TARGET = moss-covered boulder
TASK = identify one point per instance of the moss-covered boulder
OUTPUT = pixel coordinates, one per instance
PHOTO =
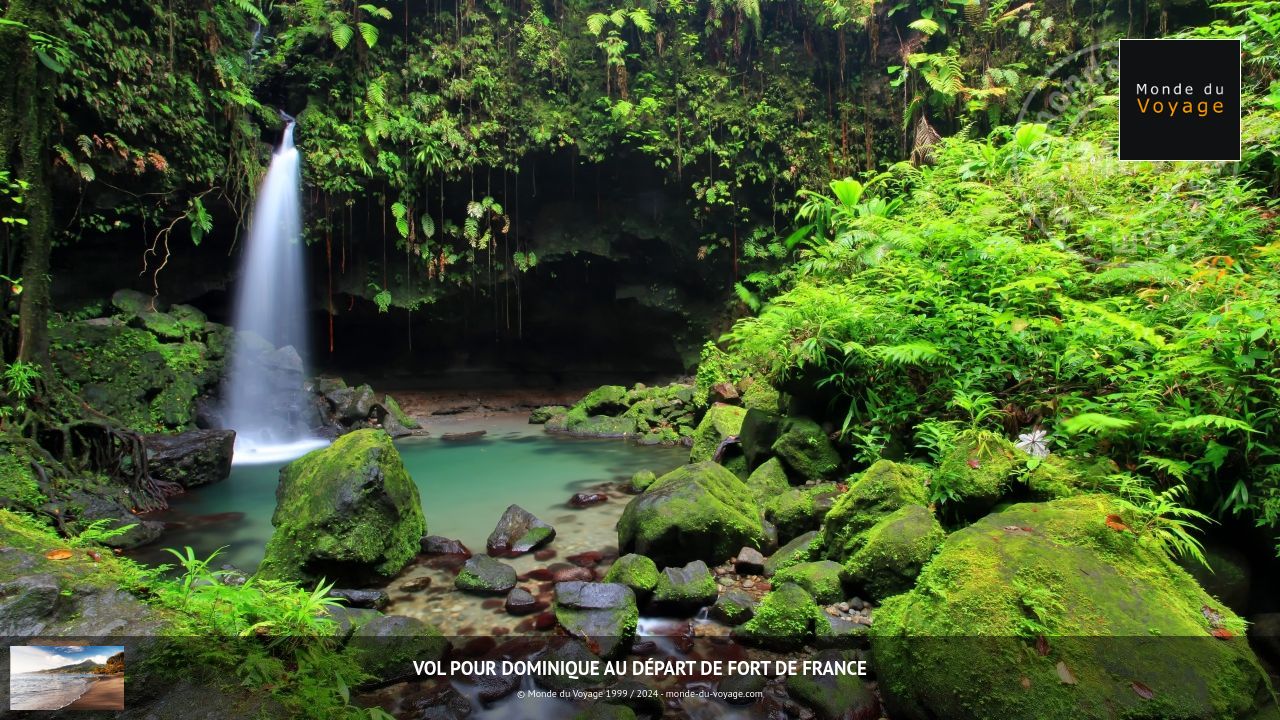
(978, 471)
(734, 607)
(758, 434)
(759, 395)
(795, 511)
(894, 550)
(783, 620)
(720, 423)
(685, 589)
(768, 481)
(805, 450)
(605, 711)
(800, 549)
(604, 400)
(824, 580)
(695, 512)
(636, 572)
(603, 615)
(881, 489)
(1126, 633)
(386, 646)
(346, 513)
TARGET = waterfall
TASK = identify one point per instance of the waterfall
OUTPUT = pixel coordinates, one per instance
(264, 398)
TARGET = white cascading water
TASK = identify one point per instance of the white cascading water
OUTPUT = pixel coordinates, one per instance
(264, 398)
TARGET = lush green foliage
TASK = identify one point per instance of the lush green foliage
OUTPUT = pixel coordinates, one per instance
(1126, 308)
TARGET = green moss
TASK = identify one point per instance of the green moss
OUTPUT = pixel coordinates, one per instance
(759, 395)
(386, 647)
(832, 697)
(799, 510)
(691, 585)
(399, 414)
(606, 712)
(977, 472)
(806, 450)
(768, 481)
(635, 571)
(894, 550)
(824, 580)
(642, 479)
(1114, 610)
(18, 486)
(801, 549)
(695, 512)
(784, 619)
(542, 414)
(881, 489)
(720, 422)
(348, 507)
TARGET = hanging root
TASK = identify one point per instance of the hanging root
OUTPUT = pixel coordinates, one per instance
(116, 452)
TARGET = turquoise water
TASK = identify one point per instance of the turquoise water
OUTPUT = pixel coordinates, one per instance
(465, 486)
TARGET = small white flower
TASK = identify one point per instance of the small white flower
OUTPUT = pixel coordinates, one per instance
(1033, 443)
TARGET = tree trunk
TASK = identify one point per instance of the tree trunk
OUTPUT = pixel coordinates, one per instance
(26, 114)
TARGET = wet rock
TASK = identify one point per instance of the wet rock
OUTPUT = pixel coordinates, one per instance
(94, 507)
(783, 620)
(348, 513)
(724, 392)
(132, 302)
(464, 436)
(720, 423)
(734, 607)
(386, 646)
(805, 450)
(604, 615)
(605, 711)
(491, 688)
(518, 531)
(349, 618)
(684, 589)
(591, 558)
(27, 604)
(439, 545)
(834, 631)
(569, 651)
(834, 697)
(521, 602)
(483, 574)
(587, 499)
(749, 562)
(368, 599)
(395, 411)
(696, 512)
(190, 459)
(639, 697)
(446, 704)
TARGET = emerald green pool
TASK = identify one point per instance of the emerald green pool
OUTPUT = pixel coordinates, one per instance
(465, 486)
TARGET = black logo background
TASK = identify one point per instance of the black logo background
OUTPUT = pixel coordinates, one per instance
(1181, 137)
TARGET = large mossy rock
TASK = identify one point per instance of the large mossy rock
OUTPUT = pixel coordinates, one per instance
(387, 646)
(979, 471)
(795, 511)
(805, 450)
(695, 512)
(719, 424)
(768, 480)
(824, 580)
(346, 513)
(190, 459)
(894, 551)
(1126, 633)
(685, 589)
(783, 620)
(880, 490)
(636, 572)
(483, 575)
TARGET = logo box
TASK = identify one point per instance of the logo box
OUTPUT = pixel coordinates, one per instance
(1180, 100)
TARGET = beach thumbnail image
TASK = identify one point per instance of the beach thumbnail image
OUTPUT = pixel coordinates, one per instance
(72, 677)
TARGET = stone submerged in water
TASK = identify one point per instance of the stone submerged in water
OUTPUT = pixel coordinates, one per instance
(587, 499)
(518, 531)
(734, 607)
(190, 459)
(483, 574)
(464, 436)
(695, 512)
(1133, 633)
(604, 615)
(347, 513)
(834, 696)
(440, 545)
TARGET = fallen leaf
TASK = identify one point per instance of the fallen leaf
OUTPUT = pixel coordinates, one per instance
(1042, 645)
(1065, 674)
(1222, 633)
(1115, 523)
(973, 463)
(1143, 691)
(94, 556)
(1025, 682)
(58, 554)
